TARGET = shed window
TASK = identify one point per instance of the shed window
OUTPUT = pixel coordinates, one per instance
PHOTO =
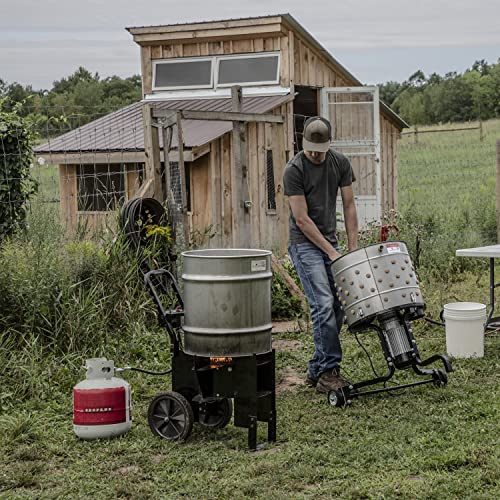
(100, 187)
(271, 192)
(182, 73)
(248, 70)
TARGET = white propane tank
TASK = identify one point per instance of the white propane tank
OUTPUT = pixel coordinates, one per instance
(101, 403)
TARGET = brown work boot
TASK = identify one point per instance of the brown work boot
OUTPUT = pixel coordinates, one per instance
(331, 380)
(311, 380)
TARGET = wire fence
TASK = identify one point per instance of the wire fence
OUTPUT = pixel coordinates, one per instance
(88, 166)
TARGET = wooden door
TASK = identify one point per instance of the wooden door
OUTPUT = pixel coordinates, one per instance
(354, 115)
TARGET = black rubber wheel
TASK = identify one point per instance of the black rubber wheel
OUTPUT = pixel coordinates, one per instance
(191, 396)
(337, 398)
(215, 413)
(170, 416)
(440, 378)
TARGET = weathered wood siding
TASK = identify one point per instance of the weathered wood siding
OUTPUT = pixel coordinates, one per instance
(213, 186)
(389, 137)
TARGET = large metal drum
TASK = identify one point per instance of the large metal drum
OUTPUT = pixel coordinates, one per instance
(373, 280)
(227, 302)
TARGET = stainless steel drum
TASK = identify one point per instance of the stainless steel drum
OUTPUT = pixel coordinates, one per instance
(376, 279)
(227, 302)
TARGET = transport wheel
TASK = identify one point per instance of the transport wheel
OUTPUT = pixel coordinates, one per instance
(170, 416)
(440, 378)
(190, 394)
(215, 413)
(337, 398)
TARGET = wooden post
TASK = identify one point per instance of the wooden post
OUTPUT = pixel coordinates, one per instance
(241, 196)
(69, 198)
(416, 135)
(152, 151)
(498, 190)
(168, 192)
(167, 139)
(481, 136)
(182, 173)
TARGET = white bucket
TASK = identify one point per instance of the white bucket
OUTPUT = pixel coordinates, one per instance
(465, 329)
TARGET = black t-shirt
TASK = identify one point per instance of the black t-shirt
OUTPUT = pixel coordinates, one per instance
(319, 184)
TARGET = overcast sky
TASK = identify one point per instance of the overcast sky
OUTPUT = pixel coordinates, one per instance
(377, 40)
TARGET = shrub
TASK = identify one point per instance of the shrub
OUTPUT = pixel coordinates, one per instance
(16, 184)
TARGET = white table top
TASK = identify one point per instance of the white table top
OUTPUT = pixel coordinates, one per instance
(489, 252)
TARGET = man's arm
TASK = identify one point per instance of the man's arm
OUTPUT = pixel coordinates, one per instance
(350, 217)
(298, 206)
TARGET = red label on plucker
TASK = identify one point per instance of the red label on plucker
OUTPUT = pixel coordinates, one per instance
(393, 248)
(99, 406)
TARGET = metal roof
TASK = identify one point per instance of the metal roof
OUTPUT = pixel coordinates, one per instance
(189, 23)
(122, 130)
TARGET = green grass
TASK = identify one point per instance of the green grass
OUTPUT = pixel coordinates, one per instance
(446, 170)
(425, 443)
(48, 182)
(68, 302)
(450, 177)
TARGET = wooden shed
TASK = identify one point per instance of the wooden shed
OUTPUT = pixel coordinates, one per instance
(233, 163)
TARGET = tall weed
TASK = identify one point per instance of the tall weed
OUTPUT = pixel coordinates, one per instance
(62, 302)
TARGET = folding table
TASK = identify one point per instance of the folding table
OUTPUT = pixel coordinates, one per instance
(491, 252)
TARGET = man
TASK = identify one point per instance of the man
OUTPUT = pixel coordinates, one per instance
(312, 179)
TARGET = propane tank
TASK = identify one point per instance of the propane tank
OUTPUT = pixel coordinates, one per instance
(101, 403)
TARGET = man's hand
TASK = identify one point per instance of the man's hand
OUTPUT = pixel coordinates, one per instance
(334, 255)
(298, 206)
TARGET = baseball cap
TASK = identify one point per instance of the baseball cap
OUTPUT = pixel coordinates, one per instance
(317, 134)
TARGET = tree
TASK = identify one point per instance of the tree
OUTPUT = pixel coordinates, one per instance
(417, 79)
(16, 184)
(67, 85)
(389, 92)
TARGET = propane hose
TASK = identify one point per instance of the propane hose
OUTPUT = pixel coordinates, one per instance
(149, 372)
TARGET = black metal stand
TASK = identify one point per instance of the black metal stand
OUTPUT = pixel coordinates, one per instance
(248, 380)
(203, 387)
(345, 395)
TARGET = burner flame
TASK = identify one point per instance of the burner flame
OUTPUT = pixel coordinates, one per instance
(218, 362)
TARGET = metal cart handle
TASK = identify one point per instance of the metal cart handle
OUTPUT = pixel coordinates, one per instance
(168, 318)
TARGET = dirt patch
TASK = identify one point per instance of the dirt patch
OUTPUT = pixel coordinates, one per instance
(128, 469)
(286, 345)
(286, 326)
(289, 381)
(157, 459)
(415, 477)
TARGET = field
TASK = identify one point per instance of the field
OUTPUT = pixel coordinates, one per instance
(426, 442)
(447, 173)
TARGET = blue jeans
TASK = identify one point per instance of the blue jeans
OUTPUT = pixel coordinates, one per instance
(313, 267)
